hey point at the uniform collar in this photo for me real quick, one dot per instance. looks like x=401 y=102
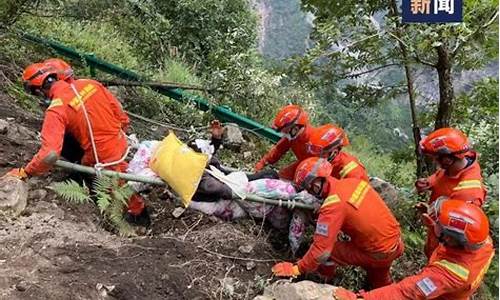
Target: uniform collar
x=472 y=155
x=338 y=158
x=57 y=86
x=331 y=183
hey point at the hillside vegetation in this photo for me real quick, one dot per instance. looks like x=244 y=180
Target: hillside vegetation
x=215 y=44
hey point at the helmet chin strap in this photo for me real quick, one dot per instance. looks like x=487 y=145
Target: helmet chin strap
x=289 y=137
x=45 y=102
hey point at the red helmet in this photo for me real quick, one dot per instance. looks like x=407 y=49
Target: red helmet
x=310 y=169
x=64 y=70
x=325 y=139
x=465 y=222
x=35 y=74
x=449 y=141
x=288 y=116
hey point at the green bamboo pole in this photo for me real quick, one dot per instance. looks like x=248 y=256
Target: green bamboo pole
x=131 y=177
x=89 y=170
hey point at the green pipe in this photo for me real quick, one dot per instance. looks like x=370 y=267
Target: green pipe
x=178 y=94
x=155 y=181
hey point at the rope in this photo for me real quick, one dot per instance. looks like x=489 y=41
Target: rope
x=97 y=166
x=148 y=120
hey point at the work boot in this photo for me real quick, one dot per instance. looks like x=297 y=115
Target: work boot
x=142 y=219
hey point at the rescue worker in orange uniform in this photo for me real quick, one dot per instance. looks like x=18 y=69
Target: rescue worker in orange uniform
x=458 y=176
x=293 y=123
x=353 y=207
x=71 y=149
x=327 y=142
x=457 y=266
x=88 y=112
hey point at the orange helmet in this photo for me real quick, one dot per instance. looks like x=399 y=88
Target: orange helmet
x=325 y=139
x=465 y=222
x=35 y=74
x=448 y=141
x=310 y=169
x=289 y=116
x=64 y=70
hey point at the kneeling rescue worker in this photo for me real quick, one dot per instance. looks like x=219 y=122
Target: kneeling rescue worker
x=293 y=123
x=458 y=176
x=353 y=207
x=456 y=267
x=85 y=111
x=327 y=142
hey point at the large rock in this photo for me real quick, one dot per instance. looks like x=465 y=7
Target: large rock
x=16 y=132
x=233 y=138
x=4 y=126
x=13 y=195
x=303 y=290
x=386 y=190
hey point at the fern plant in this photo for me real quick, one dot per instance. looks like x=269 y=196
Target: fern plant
x=109 y=194
x=72 y=192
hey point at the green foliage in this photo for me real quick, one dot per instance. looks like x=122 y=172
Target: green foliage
x=207 y=31
x=100 y=39
x=380 y=164
x=10 y=10
x=491 y=210
x=72 y=192
x=476 y=113
x=172 y=41
x=110 y=196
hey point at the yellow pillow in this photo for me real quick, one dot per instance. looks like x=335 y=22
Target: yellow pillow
x=180 y=166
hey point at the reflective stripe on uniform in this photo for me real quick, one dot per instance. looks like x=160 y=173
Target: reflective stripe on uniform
x=348 y=168
x=456 y=269
x=468 y=184
x=331 y=200
x=480 y=276
x=359 y=194
x=85 y=93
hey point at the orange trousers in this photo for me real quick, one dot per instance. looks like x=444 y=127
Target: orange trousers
x=376 y=265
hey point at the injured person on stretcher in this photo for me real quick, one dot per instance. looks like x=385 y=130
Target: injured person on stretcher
x=216 y=185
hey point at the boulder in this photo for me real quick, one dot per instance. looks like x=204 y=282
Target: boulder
x=4 y=126
x=16 y=132
x=386 y=190
x=13 y=195
x=302 y=290
x=232 y=138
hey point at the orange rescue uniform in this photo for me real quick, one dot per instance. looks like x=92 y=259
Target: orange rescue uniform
x=346 y=165
x=451 y=274
x=354 y=207
x=65 y=115
x=298 y=147
x=467 y=185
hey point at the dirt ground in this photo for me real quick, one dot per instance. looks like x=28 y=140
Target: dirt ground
x=55 y=250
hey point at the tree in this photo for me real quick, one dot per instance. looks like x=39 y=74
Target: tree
x=357 y=40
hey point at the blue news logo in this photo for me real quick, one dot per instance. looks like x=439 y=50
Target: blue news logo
x=432 y=11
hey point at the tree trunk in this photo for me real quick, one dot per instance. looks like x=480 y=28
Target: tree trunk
x=413 y=109
x=446 y=94
x=411 y=95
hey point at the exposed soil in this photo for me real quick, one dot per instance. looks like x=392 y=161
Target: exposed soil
x=60 y=251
